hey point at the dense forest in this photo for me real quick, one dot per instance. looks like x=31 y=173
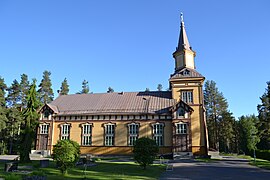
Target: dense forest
x=231 y=135
x=20 y=102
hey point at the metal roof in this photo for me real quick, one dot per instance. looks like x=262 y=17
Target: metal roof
x=186 y=73
x=153 y=102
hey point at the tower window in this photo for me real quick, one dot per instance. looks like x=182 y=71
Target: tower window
x=44 y=128
x=186 y=73
x=181 y=128
x=187 y=96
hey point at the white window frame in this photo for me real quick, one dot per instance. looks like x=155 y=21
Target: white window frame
x=158 y=133
x=187 y=96
x=87 y=134
x=181 y=128
x=109 y=130
x=65 y=131
x=133 y=133
x=44 y=129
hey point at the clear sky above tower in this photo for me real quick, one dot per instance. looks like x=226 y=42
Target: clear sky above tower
x=128 y=45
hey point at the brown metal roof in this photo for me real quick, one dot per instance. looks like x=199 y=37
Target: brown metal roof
x=158 y=102
x=186 y=72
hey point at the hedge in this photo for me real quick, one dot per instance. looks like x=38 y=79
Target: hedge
x=263 y=154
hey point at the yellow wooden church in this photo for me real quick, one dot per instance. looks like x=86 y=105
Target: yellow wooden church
x=110 y=123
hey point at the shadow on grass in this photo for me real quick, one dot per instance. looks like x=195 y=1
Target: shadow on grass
x=107 y=170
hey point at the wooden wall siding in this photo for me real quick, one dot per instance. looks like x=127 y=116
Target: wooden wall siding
x=119 y=150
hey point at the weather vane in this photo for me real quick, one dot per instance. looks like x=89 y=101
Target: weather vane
x=182 y=17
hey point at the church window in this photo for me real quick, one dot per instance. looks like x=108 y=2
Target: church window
x=86 y=134
x=181 y=128
x=187 y=96
x=65 y=130
x=46 y=114
x=133 y=133
x=109 y=134
x=44 y=128
x=181 y=112
x=158 y=129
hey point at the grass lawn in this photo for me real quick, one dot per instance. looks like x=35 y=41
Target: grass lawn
x=259 y=162
x=102 y=170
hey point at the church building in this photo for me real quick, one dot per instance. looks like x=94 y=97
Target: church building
x=110 y=123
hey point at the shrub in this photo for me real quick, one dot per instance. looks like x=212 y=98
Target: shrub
x=263 y=154
x=12 y=177
x=66 y=153
x=145 y=151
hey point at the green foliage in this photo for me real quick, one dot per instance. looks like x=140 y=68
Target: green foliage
x=145 y=151
x=264 y=119
x=12 y=130
x=216 y=107
x=248 y=133
x=12 y=177
x=30 y=122
x=13 y=97
x=147 y=90
x=159 y=87
x=3 y=118
x=226 y=134
x=85 y=88
x=110 y=90
x=66 y=153
x=25 y=86
x=64 y=89
x=263 y=154
x=45 y=88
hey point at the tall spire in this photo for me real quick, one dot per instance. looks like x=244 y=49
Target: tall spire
x=184 y=55
x=183 y=39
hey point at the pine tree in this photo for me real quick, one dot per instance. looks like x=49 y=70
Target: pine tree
x=3 y=118
x=226 y=132
x=12 y=129
x=147 y=90
x=215 y=105
x=13 y=114
x=45 y=88
x=30 y=122
x=159 y=87
x=64 y=89
x=264 y=119
x=110 y=90
x=24 y=85
x=13 y=97
x=85 y=88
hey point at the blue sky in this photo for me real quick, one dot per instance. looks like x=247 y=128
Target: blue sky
x=128 y=45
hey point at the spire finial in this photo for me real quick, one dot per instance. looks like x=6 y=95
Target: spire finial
x=182 y=17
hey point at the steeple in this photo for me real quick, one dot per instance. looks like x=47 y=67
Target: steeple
x=184 y=55
x=183 y=39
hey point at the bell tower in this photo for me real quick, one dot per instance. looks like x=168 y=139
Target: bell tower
x=186 y=85
x=184 y=55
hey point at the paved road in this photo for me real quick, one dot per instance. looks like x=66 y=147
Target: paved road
x=230 y=168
